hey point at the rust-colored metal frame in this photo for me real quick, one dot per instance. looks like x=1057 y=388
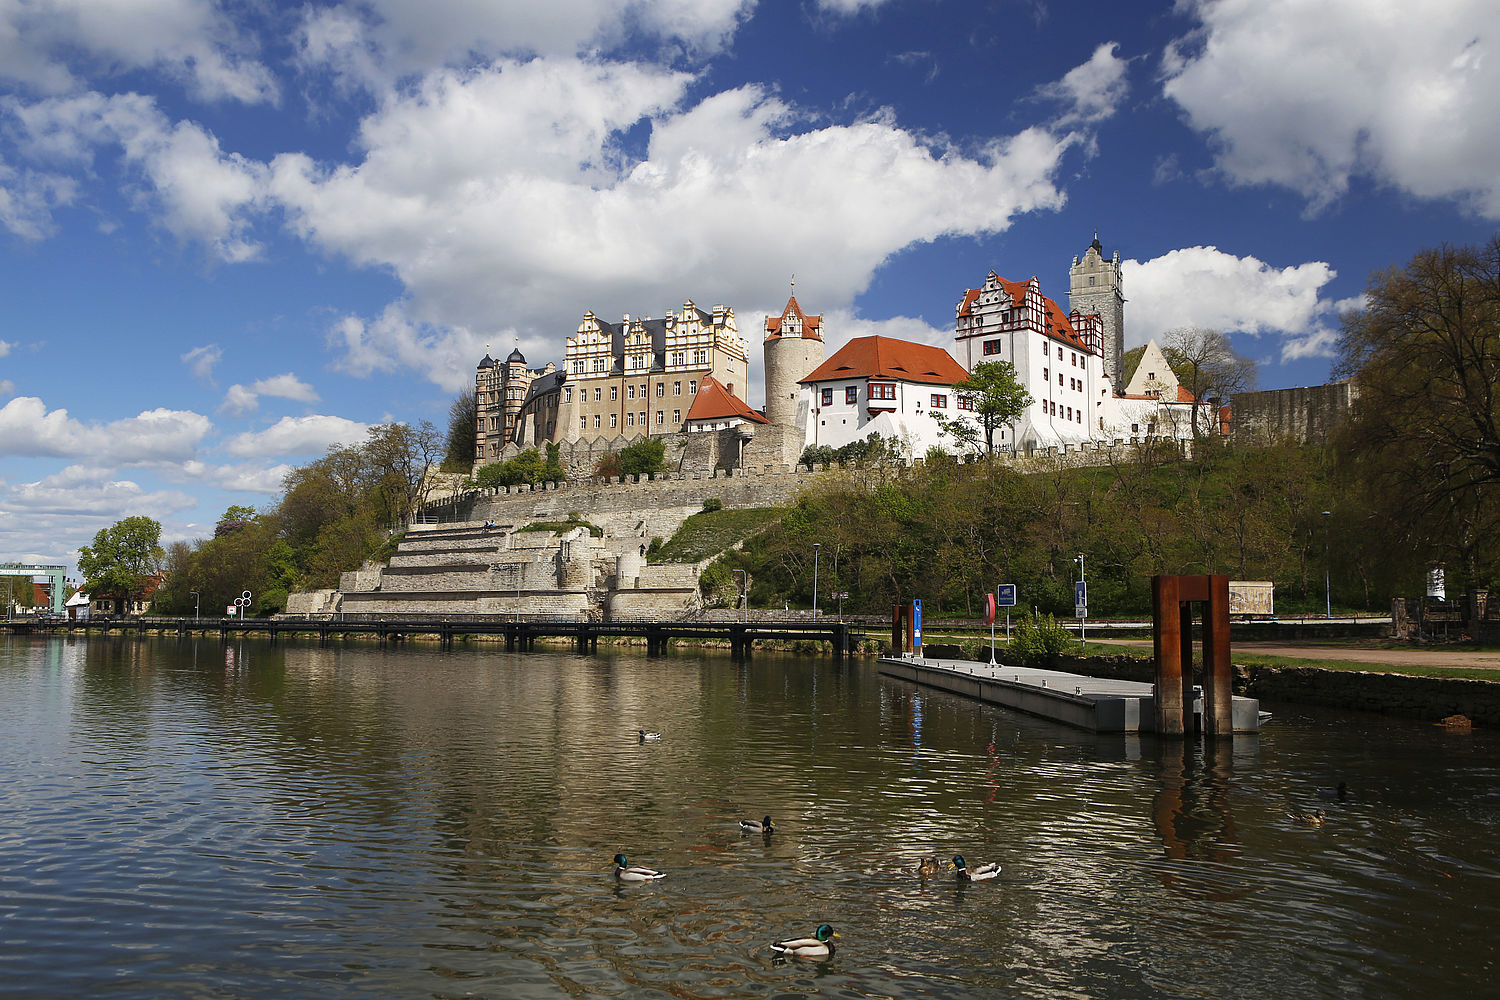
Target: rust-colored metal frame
x=1172 y=600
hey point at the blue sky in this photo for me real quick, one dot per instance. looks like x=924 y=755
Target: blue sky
x=236 y=234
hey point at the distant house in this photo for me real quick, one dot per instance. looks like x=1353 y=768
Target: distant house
x=78 y=607
x=138 y=603
x=880 y=385
x=715 y=408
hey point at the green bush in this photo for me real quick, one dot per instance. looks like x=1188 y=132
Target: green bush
x=717 y=584
x=712 y=504
x=1038 y=640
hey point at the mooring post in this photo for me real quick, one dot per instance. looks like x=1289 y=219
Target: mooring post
x=1218 y=681
x=1167 y=639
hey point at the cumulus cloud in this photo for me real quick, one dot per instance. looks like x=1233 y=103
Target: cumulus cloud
x=1203 y=286
x=199 y=192
x=53 y=47
x=245 y=477
x=27 y=198
x=241 y=399
x=497 y=195
x=29 y=429
x=1312 y=93
x=5 y=347
x=1093 y=91
x=312 y=435
x=86 y=490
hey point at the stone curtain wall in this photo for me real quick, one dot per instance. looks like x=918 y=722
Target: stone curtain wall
x=1303 y=415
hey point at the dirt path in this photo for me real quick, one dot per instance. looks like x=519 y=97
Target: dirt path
x=1356 y=652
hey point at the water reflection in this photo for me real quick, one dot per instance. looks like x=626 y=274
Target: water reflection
x=188 y=817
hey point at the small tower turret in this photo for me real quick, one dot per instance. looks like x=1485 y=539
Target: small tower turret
x=1095 y=286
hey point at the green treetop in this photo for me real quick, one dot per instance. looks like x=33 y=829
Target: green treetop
x=122 y=556
x=995 y=398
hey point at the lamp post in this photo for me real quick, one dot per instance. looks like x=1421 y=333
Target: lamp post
x=745 y=590
x=1327 y=586
x=816 y=546
x=196 y=599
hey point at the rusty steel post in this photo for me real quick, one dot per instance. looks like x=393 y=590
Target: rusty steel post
x=1218 y=680
x=1167 y=636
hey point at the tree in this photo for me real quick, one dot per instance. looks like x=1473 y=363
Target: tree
x=463 y=432
x=1207 y=365
x=122 y=556
x=645 y=457
x=995 y=398
x=1424 y=433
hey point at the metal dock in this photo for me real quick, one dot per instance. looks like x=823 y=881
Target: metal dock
x=1098 y=704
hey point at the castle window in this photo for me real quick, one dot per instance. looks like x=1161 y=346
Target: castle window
x=567 y=395
x=692 y=387
x=939 y=401
x=659 y=420
x=827 y=397
x=596 y=421
x=598 y=393
x=614 y=393
x=1091 y=279
x=643 y=418
x=882 y=390
x=1045 y=376
x=630 y=392
x=851 y=394
x=612 y=418
x=991 y=347
x=583 y=423
x=676 y=417
x=677 y=388
x=630 y=419
x=965 y=403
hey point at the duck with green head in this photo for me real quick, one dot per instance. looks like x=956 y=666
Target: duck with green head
x=817 y=946
x=626 y=872
x=979 y=873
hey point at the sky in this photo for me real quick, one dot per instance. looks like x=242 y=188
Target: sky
x=233 y=235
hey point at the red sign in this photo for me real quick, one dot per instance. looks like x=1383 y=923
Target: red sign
x=230 y=609
x=989 y=609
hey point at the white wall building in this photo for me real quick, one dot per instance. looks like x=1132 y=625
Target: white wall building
x=879 y=385
x=1058 y=357
x=1156 y=405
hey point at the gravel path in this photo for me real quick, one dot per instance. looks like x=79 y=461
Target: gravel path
x=1353 y=651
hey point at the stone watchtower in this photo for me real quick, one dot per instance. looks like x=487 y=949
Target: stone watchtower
x=793 y=348
x=1094 y=286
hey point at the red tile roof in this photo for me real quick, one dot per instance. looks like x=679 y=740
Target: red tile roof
x=714 y=402
x=812 y=326
x=1056 y=322
x=885 y=357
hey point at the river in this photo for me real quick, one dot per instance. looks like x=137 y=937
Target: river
x=185 y=818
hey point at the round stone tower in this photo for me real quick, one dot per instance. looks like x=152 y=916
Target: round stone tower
x=793 y=348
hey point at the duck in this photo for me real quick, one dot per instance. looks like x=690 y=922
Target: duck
x=817 y=946
x=757 y=826
x=626 y=872
x=1314 y=817
x=647 y=736
x=979 y=873
x=930 y=867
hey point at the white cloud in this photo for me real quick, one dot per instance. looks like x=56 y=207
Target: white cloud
x=245 y=477
x=1093 y=91
x=27 y=198
x=51 y=46
x=28 y=429
x=240 y=399
x=201 y=361
x=84 y=490
x=1312 y=93
x=198 y=191
x=1203 y=286
x=6 y=387
x=312 y=435
x=5 y=347
x=503 y=201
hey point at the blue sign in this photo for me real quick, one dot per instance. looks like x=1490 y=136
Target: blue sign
x=1005 y=595
x=916 y=626
x=1080 y=593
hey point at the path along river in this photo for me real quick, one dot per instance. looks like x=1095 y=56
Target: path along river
x=191 y=819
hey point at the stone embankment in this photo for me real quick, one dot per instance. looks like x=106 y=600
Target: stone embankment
x=1429 y=699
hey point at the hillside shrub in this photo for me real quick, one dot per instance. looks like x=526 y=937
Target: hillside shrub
x=1038 y=640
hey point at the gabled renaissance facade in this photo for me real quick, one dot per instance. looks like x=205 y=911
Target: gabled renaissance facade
x=1058 y=357
x=619 y=381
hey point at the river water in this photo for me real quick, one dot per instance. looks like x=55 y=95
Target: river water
x=184 y=818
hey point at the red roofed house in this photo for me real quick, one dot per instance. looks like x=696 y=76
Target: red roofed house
x=879 y=385
x=715 y=408
x=1058 y=357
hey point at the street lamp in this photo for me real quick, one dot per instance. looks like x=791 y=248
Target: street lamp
x=195 y=605
x=816 y=546
x=745 y=590
x=1327 y=587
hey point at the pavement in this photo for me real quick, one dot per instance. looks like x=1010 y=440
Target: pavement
x=1426 y=657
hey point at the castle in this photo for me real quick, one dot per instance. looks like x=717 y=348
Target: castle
x=682 y=378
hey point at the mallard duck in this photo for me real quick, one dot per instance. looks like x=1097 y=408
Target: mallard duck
x=1314 y=817
x=817 y=946
x=979 y=873
x=930 y=867
x=647 y=737
x=757 y=825
x=626 y=872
